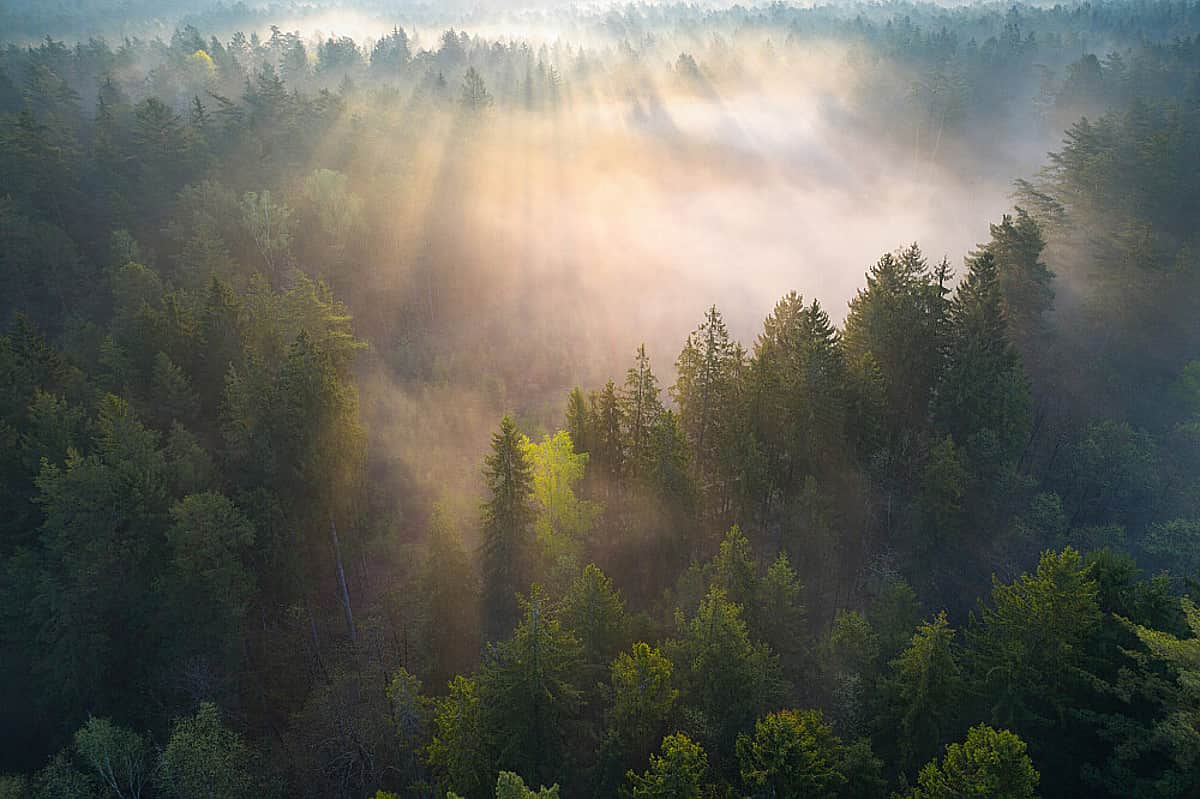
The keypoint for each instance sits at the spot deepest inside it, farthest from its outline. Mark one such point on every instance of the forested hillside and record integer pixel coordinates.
(353, 443)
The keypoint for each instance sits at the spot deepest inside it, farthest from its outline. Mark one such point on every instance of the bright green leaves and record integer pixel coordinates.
(989, 764)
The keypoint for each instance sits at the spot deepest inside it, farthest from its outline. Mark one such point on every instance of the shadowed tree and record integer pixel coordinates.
(508, 516)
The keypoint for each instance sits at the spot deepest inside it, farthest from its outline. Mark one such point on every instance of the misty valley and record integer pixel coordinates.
(654, 400)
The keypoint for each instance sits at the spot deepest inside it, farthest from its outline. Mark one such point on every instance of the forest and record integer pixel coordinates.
(639, 401)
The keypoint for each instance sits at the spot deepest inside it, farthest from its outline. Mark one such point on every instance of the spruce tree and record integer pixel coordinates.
(983, 393)
(508, 517)
(640, 408)
(706, 390)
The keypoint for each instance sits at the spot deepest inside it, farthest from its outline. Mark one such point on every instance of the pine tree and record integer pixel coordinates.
(579, 421)
(459, 748)
(1029, 645)
(640, 408)
(706, 390)
(172, 397)
(924, 692)
(607, 442)
(508, 517)
(1025, 282)
(594, 612)
(778, 615)
(530, 694)
(794, 754)
(796, 397)
(725, 678)
(643, 700)
(475, 96)
(896, 322)
(988, 763)
(983, 390)
(679, 771)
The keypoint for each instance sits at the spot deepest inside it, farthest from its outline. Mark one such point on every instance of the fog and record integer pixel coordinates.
(674, 159)
(620, 217)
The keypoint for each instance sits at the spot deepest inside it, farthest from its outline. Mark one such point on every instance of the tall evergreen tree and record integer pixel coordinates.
(707, 385)
(579, 421)
(607, 442)
(508, 516)
(796, 400)
(896, 323)
(640, 408)
(530, 694)
(983, 395)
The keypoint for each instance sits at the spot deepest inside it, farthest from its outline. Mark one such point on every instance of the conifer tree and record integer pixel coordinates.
(983, 390)
(607, 441)
(475, 96)
(508, 516)
(530, 694)
(640, 407)
(579, 421)
(896, 322)
(924, 692)
(594, 612)
(679, 771)
(706, 390)
(795, 398)
(990, 763)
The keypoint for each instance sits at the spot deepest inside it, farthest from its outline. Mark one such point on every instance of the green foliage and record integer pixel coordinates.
(204, 758)
(511, 786)
(1179, 730)
(119, 757)
(579, 422)
(104, 513)
(211, 583)
(943, 488)
(1029, 643)
(983, 388)
(563, 520)
(925, 691)
(1110, 472)
(14, 786)
(677, 772)
(792, 753)
(1024, 281)
(853, 644)
(195, 511)
(508, 517)
(594, 612)
(724, 678)
(989, 763)
(796, 387)
(643, 699)
(705, 390)
(410, 709)
(893, 615)
(779, 615)
(529, 692)
(458, 749)
(735, 571)
(897, 323)
(640, 408)
(61, 779)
